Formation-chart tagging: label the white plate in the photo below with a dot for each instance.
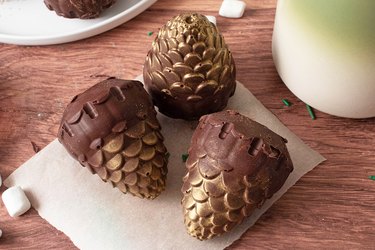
(30, 22)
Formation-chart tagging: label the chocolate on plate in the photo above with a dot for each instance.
(234, 165)
(112, 130)
(84, 9)
(189, 71)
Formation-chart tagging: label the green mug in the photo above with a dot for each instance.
(324, 51)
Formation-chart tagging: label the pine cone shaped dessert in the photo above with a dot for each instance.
(189, 71)
(234, 165)
(112, 130)
(84, 9)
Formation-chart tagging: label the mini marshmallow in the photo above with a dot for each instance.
(212, 19)
(15, 201)
(1, 233)
(232, 8)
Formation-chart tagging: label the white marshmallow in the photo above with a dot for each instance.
(15, 201)
(1, 233)
(232, 8)
(212, 19)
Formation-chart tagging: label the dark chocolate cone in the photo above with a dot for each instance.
(84, 9)
(234, 165)
(112, 130)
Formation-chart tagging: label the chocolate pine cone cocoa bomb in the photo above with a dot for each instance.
(112, 130)
(234, 165)
(84, 9)
(189, 71)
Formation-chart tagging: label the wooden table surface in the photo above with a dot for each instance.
(332, 207)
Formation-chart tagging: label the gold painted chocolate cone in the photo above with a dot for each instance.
(189, 71)
(112, 130)
(234, 165)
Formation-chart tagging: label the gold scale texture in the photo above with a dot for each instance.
(189, 71)
(134, 159)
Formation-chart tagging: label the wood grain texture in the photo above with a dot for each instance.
(332, 207)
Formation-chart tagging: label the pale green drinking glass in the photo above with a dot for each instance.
(324, 51)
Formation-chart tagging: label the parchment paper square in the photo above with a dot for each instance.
(96, 216)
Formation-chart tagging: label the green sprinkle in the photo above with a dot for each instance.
(185, 157)
(286, 102)
(311, 112)
(150, 33)
(372, 177)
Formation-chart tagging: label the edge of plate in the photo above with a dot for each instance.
(93, 30)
